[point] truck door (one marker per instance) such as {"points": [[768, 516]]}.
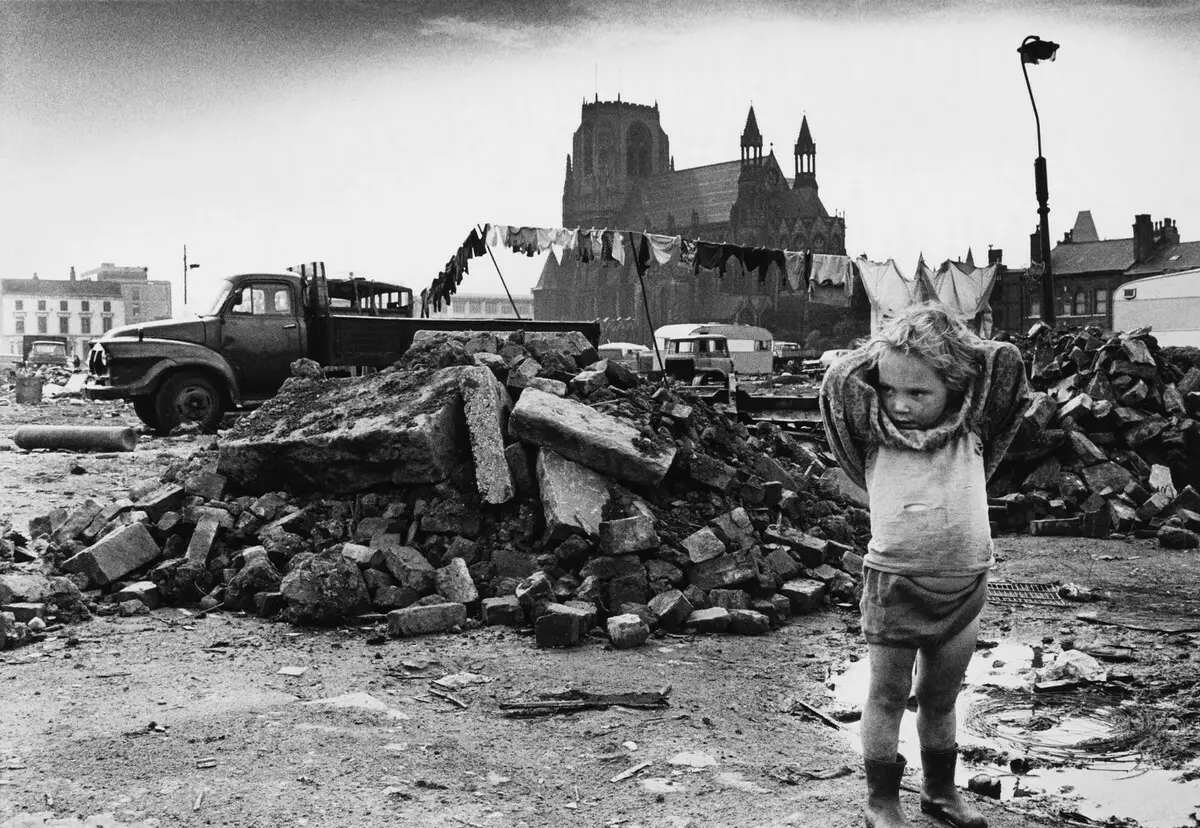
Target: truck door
{"points": [[261, 335]]}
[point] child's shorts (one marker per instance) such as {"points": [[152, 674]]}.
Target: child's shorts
{"points": [[918, 611]]}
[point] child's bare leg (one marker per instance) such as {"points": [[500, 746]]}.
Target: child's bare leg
{"points": [[887, 697], [940, 673]]}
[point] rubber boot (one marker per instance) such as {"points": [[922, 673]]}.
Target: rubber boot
{"points": [[939, 797], [883, 793]]}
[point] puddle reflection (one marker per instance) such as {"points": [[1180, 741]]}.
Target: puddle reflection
{"points": [[1091, 739]]}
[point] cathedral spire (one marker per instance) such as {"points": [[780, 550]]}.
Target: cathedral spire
{"points": [[806, 157], [751, 141]]}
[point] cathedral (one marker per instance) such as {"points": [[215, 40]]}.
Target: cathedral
{"points": [[621, 175]]}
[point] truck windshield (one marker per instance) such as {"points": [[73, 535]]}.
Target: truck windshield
{"points": [[222, 295]]}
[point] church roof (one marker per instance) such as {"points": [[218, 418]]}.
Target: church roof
{"points": [[1092, 257], [750, 133], [805, 138], [710, 191]]}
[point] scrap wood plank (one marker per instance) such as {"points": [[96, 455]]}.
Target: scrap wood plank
{"points": [[573, 700]]}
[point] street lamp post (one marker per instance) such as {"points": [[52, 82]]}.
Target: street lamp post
{"points": [[1034, 50], [186, 268]]}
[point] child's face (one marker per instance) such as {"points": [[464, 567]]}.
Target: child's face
{"points": [[913, 394]]}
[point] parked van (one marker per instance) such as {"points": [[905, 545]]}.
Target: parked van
{"points": [[1168, 304], [749, 346], [625, 352]]}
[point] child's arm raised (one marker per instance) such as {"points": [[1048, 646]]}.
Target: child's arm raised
{"points": [[847, 402], [1004, 396]]}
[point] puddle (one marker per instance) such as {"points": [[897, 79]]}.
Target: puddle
{"points": [[1095, 736]]}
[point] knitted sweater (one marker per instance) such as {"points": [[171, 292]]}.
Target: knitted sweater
{"points": [[855, 420]]}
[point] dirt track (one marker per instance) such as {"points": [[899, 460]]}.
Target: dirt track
{"points": [[117, 716]]}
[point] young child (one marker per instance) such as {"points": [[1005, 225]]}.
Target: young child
{"points": [[920, 417]]}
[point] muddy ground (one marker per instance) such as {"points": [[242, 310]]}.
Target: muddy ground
{"points": [[178, 718]]}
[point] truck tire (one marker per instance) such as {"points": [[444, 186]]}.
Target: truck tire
{"points": [[188, 396], [146, 409]]}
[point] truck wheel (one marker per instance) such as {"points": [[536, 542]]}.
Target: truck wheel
{"points": [[188, 396], [144, 407]]}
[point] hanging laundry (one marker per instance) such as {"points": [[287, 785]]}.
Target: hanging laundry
{"points": [[583, 245], [474, 244], [563, 241], [687, 251], [597, 241], [496, 236], [794, 268], [832, 279], [664, 248], [758, 259], [545, 238], [889, 290], [966, 292], [708, 256], [523, 240], [618, 246], [641, 252]]}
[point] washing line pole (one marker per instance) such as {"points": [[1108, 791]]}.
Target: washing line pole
{"points": [[650, 322], [498, 273]]}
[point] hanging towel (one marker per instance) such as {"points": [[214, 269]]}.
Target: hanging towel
{"points": [[708, 256], [794, 268], [889, 290], [496, 236], [618, 246], [831, 282], [664, 248], [641, 252]]}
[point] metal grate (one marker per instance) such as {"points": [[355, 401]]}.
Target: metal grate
{"points": [[1016, 592]]}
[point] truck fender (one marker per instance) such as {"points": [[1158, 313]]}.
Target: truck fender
{"points": [[183, 356]]}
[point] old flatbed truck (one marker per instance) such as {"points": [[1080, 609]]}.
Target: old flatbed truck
{"points": [[240, 352]]}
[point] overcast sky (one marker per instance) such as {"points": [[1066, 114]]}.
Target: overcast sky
{"points": [[374, 136]]}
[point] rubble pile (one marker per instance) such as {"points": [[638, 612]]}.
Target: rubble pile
{"points": [[511, 480], [1110, 443]]}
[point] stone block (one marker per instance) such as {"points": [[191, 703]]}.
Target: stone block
{"points": [[535, 593], [422, 620], [627, 631], [710, 620], [391, 427], [804, 595], [410, 568], [587, 608], [1106, 477], [628, 589], [1072, 526], [769, 610], [559, 626], [76, 522], [703, 545], [115, 555], [452, 516], [209, 485], [626, 535], [486, 406], [808, 548], [663, 572], [730, 599], [202, 540], [748, 622], [781, 562], [24, 586], [364, 557], [512, 563], [1084, 449], [503, 610], [520, 469], [454, 582], [728, 570], [393, 596], [145, 591], [97, 527], [24, 611], [1176, 537], [587, 382], [573, 495], [736, 528], [710, 472], [590, 437]]}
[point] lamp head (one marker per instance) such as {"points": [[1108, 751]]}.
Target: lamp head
{"points": [[1034, 50]]}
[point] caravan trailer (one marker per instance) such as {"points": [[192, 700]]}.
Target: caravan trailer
{"points": [[750, 347], [1168, 304]]}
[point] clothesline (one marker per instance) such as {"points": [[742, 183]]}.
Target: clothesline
{"points": [[645, 249]]}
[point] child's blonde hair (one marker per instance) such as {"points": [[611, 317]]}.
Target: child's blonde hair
{"points": [[927, 331]]}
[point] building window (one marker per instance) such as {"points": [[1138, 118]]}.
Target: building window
{"points": [[41, 324], [136, 310], [106, 307], [20, 326], [1035, 307], [62, 306], [1081, 303], [19, 304], [41, 304], [1102, 302], [85, 324], [107, 323], [135, 294], [64, 324], [85, 306]]}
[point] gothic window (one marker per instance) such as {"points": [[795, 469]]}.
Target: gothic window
{"points": [[605, 147], [819, 244], [586, 149], [638, 145]]}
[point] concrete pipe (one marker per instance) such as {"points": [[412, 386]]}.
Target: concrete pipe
{"points": [[76, 438]]}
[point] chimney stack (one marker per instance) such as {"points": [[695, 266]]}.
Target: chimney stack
{"points": [[1143, 238]]}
